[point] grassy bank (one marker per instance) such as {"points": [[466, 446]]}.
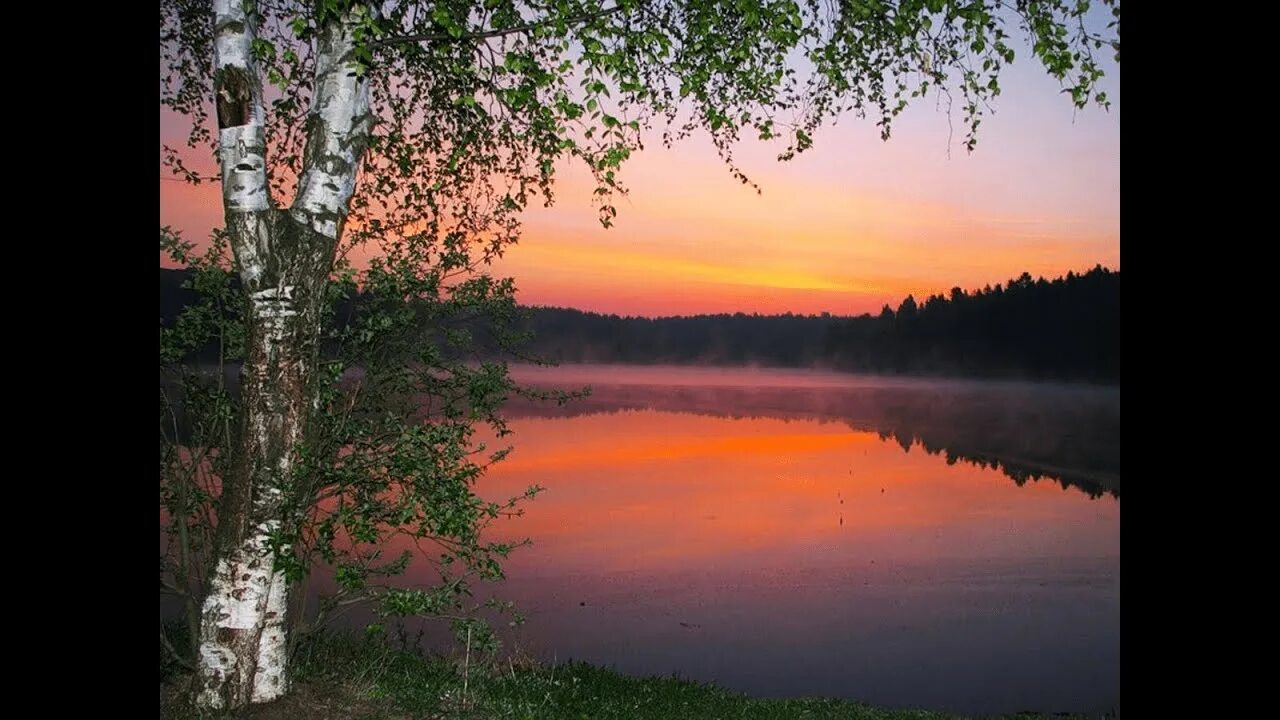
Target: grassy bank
{"points": [[340, 677]]}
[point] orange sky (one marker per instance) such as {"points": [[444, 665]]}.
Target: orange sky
{"points": [[846, 227]]}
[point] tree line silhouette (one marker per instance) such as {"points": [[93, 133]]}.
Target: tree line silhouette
{"points": [[1067, 328]]}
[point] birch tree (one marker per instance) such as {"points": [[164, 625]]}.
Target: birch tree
{"points": [[419, 131]]}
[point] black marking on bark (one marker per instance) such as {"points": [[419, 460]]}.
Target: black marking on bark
{"points": [[234, 97], [313, 150]]}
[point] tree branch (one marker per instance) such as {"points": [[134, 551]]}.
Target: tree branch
{"points": [[338, 126], [238, 97], [496, 32]]}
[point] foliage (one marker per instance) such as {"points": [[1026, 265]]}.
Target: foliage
{"points": [[476, 102], [391, 459]]}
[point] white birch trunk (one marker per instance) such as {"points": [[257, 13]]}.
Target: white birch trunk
{"points": [[272, 678], [284, 260], [340, 130]]}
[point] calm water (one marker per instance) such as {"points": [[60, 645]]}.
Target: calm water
{"points": [[949, 545]]}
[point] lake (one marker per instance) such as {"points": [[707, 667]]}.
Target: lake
{"points": [[951, 545]]}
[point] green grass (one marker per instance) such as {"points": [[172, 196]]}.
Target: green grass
{"points": [[341, 676]]}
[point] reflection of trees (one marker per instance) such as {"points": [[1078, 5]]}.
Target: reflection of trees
{"points": [[1026, 431]]}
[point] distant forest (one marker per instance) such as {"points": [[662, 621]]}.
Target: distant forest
{"points": [[1067, 328], [1062, 329]]}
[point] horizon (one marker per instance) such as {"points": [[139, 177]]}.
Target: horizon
{"points": [[787, 313]]}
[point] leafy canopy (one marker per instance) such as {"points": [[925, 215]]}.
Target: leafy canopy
{"points": [[475, 102]]}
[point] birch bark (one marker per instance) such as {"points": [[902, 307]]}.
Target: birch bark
{"points": [[284, 259]]}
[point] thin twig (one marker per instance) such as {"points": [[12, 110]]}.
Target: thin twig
{"points": [[466, 666]]}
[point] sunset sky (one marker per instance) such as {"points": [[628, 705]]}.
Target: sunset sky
{"points": [[845, 227]]}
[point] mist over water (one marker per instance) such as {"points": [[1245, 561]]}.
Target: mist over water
{"points": [[941, 544], [928, 543]]}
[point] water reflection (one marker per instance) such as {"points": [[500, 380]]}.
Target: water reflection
{"points": [[767, 531], [1029, 431], [774, 537]]}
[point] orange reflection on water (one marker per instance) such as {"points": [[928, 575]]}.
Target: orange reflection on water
{"points": [[659, 491], [804, 557]]}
